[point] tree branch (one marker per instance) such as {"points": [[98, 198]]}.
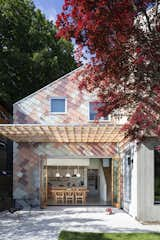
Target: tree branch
{"points": [[147, 18]]}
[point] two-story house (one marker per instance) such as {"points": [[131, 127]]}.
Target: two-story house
{"points": [[62, 156]]}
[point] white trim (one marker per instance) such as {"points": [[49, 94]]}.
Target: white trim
{"points": [[57, 113], [99, 120], [48, 85]]}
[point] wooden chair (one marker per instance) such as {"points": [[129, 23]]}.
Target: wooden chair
{"points": [[59, 197], [80, 197], [69, 195]]}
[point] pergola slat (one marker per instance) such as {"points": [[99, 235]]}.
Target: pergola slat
{"points": [[62, 133]]}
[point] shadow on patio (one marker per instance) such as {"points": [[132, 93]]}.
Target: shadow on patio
{"points": [[47, 224]]}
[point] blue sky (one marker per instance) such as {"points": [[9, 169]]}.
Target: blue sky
{"points": [[49, 7]]}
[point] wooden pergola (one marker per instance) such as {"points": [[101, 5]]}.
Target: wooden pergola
{"points": [[63, 133]]}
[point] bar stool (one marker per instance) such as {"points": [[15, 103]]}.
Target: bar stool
{"points": [[69, 195], [59, 197], [80, 197]]}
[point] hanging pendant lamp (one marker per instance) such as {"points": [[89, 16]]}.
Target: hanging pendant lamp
{"points": [[57, 173], [78, 173], [68, 175]]}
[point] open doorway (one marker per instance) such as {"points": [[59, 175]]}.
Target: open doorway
{"points": [[95, 181]]}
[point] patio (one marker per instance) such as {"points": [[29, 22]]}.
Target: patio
{"points": [[47, 224]]}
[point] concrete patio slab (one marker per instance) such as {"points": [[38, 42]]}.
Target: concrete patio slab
{"points": [[47, 224]]}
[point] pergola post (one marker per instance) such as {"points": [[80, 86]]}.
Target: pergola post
{"points": [[116, 182]]}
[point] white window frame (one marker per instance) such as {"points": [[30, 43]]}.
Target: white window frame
{"points": [[100, 119], [54, 98]]}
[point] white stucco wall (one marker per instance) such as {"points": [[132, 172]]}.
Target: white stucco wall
{"points": [[142, 204], [147, 211], [131, 206]]}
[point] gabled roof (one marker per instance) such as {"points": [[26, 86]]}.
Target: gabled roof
{"points": [[50, 84]]}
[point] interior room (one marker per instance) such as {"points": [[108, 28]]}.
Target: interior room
{"points": [[76, 182]]}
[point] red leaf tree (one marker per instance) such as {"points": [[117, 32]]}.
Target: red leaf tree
{"points": [[121, 39]]}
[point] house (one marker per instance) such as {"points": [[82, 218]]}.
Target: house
{"points": [[62, 156]]}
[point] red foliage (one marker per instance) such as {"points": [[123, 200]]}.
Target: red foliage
{"points": [[122, 41]]}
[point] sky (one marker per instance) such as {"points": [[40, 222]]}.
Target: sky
{"points": [[49, 7]]}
